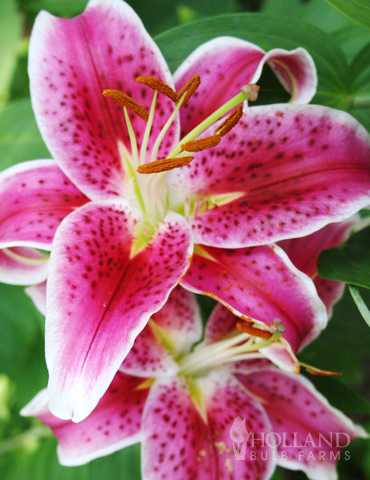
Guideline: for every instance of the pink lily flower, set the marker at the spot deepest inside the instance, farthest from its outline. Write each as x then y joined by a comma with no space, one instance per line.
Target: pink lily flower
284,171
221,410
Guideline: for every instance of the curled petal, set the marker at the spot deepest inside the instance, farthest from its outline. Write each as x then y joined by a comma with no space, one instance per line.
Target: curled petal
22,266
310,433
225,64
35,197
99,298
285,171
71,62
114,424
260,283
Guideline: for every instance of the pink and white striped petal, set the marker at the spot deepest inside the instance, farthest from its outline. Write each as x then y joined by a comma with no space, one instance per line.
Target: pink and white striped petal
114,424
225,64
260,283
304,422
182,442
99,299
284,171
304,253
23,266
71,62
171,331
35,197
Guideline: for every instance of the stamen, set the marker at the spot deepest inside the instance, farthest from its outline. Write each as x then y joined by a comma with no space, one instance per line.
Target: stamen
128,102
157,84
201,143
148,129
230,122
189,88
319,371
216,115
164,164
256,332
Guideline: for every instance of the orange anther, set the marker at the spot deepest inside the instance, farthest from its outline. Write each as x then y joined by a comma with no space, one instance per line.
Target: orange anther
255,332
201,143
128,102
164,164
189,88
157,84
230,121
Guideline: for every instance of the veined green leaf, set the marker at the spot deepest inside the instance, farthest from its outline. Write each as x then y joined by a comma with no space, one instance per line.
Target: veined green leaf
357,10
267,31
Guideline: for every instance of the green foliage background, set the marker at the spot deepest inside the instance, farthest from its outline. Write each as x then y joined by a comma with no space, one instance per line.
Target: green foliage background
339,41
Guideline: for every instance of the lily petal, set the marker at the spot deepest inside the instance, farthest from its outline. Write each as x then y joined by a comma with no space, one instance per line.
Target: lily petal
225,64
260,283
71,62
225,400
22,266
37,294
35,197
294,405
292,168
114,424
304,253
179,442
97,296
172,330
180,320
175,438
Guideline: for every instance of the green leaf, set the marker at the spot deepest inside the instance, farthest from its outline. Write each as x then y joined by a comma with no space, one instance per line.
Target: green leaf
39,461
357,10
359,97
61,8
22,343
20,139
361,305
339,395
267,31
348,262
343,344
351,37
10,41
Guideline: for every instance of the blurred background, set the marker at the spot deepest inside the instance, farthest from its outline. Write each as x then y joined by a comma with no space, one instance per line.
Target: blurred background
27,450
